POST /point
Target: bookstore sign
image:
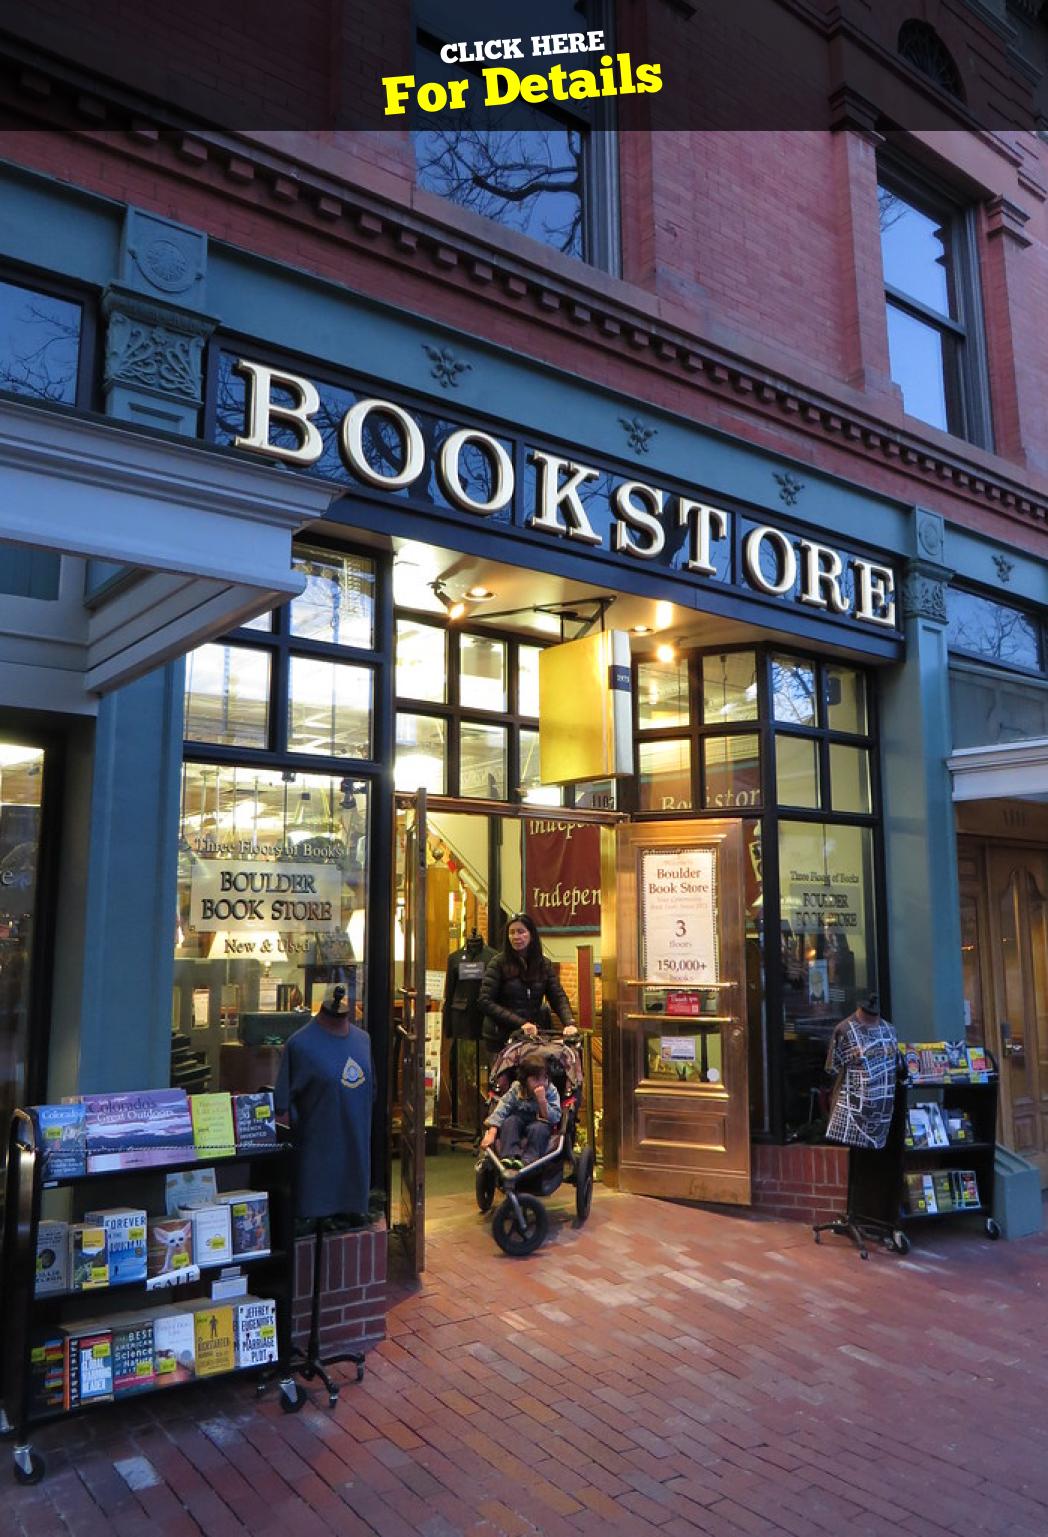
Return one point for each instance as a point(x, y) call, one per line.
point(241, 897)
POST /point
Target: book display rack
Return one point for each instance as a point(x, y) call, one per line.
point(108, 1305)
point(938, 1161)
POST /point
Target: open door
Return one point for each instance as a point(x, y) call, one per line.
point(674, 1007)
point(409, 1024)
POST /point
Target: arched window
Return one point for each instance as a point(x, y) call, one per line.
point(920, 45)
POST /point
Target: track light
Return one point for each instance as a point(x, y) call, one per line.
point(454, 607)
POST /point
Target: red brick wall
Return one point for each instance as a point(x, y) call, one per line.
point(803, 1183)
point(353, 1289)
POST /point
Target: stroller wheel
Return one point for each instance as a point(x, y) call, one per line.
point(584, 1184)
point(508, 1235)
point(484, 1184)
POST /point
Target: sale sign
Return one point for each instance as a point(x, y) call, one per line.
point(561, 867)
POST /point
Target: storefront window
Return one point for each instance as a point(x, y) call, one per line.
point(422, 754)
point(994, 631)
point(482, 673)
point(227, 696)
point(664, 775)
point(21, 785)
point(338, 604)
point(528, 680)
point(729, 687)
point(793, 691)
point(482, 761)
point(846, 700)
point(272, 902)
point(662, 695)
point(329, 708)
point(733, 772)
point(850, 779)
point(531, 787)
point(39, 344)
point(796, 770)
point(422, 662)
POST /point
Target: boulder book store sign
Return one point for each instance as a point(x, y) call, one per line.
point(465, 475)
point(247, 902)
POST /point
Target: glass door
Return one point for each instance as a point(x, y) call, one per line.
point(409, 1026)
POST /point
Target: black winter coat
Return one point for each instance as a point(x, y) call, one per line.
point(509, 1000)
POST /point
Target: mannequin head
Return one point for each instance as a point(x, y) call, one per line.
point(333, 1013)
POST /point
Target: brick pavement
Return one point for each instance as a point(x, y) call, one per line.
point(662, 1371)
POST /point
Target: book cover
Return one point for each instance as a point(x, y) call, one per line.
point(213, 1334)
point(88, 1262)
point(47, 1371)
point(174, 1346)
point(137, 1130)
point(52, 1258)
point(936, 1125)
point(957, 1068)
point(255, 1328)
point(933, 1060)
point(134, 1364)
point(125, 1230)
point(89, 1365)
point(930, 1204)
point(969, 1188)
point(170, 1244)
point(914, 1190)
point(978, 1064)
point(212, 1116)
point(912, 1056)
point(943, 1184)
point(255, 1121)
point(60, 1131)
point(249, 1222)
point(189, 1187)
point(212, 1242)
point(918, 1130)
point(959, 1127)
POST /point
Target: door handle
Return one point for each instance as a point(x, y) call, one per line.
point(409, 1035)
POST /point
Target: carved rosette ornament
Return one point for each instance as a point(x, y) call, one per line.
point(923, 591)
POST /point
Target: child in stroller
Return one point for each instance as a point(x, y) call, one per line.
point(521, 1222)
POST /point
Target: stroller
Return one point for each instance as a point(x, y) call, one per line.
point(521, 1222)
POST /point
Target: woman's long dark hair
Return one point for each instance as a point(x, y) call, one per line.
point(531, 965)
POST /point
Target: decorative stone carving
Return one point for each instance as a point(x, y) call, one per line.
point(923, 592)
point(162, 257)
point(931, 534)
point(638, 435)
point(446, 366)
point(789, 488)
point(153, 347)
point(1005, 567)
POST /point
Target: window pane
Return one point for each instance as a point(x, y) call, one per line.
point(532, 788)
point(796, 771)
point(733, 771)
point(482, 673)
point(22, 771)
point(729, 687)
point(850, 779)
point(338, 604)
point(664, 777)
point(918, 366)
point(39, 344)
point(422, 669)
point(422, 754)
point(239, 974)
point(329, 709)
point(528, 680)
point(227, 696)
point(597, 794)
point(482, 761)
point(846, 700)
point(916, 254)
point(260, 622)
point(992, 630)
point(793, 691)
point(662, 695)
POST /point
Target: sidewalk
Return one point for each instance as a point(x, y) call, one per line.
point(663, 1370)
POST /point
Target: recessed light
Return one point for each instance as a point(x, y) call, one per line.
point(479, 594)
point(665, 653)
point(642, 629)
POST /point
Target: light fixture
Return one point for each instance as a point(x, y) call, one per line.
point(665, 653)
point(479, 594)
point(454, 608)
point(642, 629)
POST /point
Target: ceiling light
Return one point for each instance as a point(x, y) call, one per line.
point(479, 594)
point(642, 629)
point(663, 615)
point(454, 607)
point(665, 653)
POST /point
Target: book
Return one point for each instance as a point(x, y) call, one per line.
point(189, 1187)
point(944, 1191)
point(213, 1336)
point(254, 1120)
point(255, 1330)
point(912, 1057)
point(933, 1061)
point(932, 1113)
point(125, 1230)
point(957, 1068)
point(88, 1261)
point(170, 1245)
point(915, 1202)
point(60, 1132)
point(249, 1222)
point(959, 1126)
point(137, 1130)
point(930, 1203)
point(212, 1116)
point(979, 1069)
point(212, 1234)
point(918, 1130)
point(52, 1258)
point(134, 1363)
point(47, 1371)
point(89, 1364)
point(967, 1188)
point(174, 1346)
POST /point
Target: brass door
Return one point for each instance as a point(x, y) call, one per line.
point(1017, 883)
point(410, 1025)
point(675, 1050)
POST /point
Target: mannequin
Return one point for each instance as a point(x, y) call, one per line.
point(864, 1054)
point(462, 1022)
point(327, 1087)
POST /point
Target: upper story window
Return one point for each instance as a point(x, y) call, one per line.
point(544, 171)
point(994, 632)
point(39, 344)
point(934, 315)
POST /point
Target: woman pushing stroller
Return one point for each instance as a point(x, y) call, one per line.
point(520, 986)
point(526, 1116)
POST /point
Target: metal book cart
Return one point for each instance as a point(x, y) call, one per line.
point(26, 1314)
point(878, 1210)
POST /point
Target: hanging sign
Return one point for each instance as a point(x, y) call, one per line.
point(562, 876)
point(679, 915)
point(243, 897)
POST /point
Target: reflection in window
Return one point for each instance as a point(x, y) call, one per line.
point(793, 691)
point(729, 687)
point(533, 791)
point(482, 761)
point(39, 344)
point(796, 771)
point(662, 694)
point(227, 696)
point(338, 604)
point(421, 761)
point(421, 662)
point(733, 772)
point(482, 673)
point(846, 700)
point(664, 775)
point(329, 708)
point(528, 680)
point(989, 629)
point(850, 779)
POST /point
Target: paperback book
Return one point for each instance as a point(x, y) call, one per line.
point(189, 1187)
point(215, 1346)
point(47, 1372)
point(88, 1261)
point(60, 1131)
point(134, 1363)
point(170, 1245)
point(137, 1130)
point(959, 1127)
point(89, 1364)
point(174, 1346)
point(254, 1119)
point(212, 1243)
point(933, 1118)
point(212, 1116)
point(249, 1222)
point(52, 1258)
point(256, 1331)
point(125, 1230)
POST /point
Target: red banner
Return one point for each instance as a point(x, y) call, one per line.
point(561, 871)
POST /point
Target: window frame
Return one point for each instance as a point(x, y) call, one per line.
point(1034, 616)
